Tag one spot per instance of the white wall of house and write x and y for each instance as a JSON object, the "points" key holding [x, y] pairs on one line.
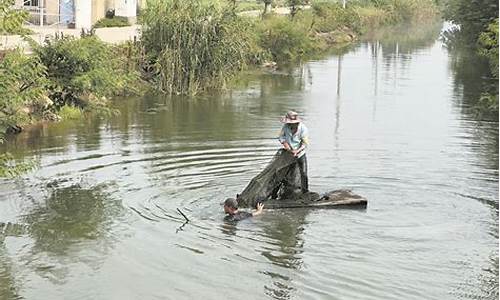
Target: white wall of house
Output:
{"points": [[126, 8], [83, 14]]}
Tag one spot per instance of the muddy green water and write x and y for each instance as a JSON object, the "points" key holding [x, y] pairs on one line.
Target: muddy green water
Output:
{"points": [[388, 118]]}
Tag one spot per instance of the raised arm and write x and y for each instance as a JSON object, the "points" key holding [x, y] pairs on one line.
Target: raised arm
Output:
{"points": [[258, 211]]}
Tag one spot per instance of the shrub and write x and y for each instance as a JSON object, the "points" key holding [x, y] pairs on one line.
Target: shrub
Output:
{"points": [[285, 39], [194, 46], [415, 11], [488, 46], [112, 22], [371, 17], [11, 20], [78, 68], [332, 16], [22, 88]]}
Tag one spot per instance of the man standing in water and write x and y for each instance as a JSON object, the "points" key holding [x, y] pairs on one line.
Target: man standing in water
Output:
{"points": [[294, 137]]}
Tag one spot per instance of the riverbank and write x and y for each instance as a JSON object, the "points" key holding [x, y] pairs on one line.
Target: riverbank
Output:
{"points": [[171, 56]]}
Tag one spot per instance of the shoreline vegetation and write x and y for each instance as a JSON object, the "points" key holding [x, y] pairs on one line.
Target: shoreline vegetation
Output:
{"points": [[186, 47], [474, 43]]}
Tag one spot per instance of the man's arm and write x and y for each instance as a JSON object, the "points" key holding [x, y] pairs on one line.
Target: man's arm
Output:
{"points": [[303, 143], [283, 141], [260, 207]]}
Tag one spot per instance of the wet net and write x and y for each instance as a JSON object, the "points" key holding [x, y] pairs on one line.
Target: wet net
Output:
{"points": [[280, 179]]}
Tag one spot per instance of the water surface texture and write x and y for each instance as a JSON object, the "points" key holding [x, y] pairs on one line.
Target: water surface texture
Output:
{"points": [[388, 119]]}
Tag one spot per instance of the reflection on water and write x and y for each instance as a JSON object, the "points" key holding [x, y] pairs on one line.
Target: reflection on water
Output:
{"points": [[285, 231], [69, 218], [388, 118]]}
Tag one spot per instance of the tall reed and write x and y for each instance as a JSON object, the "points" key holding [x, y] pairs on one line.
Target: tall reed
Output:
{"points": [[194, 45]]}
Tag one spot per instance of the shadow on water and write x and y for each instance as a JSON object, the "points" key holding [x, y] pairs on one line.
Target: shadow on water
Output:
{"points": [[70, 221]]}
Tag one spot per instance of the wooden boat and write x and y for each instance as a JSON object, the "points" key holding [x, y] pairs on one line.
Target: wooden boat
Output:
{"points": [[335, 199]]}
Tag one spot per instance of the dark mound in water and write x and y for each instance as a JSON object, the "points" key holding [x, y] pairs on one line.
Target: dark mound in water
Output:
{"points": [[333, 199], [280, 180]]}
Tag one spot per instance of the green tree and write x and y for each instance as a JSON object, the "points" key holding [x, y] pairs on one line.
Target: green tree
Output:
{"points": [[11, 20], [473, 16], [488, 46], [22, 88]]}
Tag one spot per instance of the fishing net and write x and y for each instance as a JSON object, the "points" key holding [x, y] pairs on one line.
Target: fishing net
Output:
{"points": [[280, 179]]}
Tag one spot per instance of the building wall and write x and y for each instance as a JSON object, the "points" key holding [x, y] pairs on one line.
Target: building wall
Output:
{"points": [[51, 11], [98, 10], [83, 14]]}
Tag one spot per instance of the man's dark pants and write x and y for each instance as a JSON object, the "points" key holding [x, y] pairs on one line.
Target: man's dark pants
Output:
{"points": [[304, 182]]}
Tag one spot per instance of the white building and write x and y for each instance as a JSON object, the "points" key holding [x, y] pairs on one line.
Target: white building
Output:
{"points": [[77, 13]]}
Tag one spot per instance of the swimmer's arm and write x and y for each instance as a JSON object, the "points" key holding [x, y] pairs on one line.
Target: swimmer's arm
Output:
{"points": [[260, 207]]}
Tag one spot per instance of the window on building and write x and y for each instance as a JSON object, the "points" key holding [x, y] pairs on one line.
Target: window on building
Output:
{"points": [[30, 2]]}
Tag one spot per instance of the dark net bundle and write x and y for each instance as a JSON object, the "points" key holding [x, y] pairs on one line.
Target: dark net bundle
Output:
{"points": [[280, 179]]}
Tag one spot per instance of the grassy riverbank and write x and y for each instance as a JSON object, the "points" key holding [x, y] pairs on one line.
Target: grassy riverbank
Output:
{"points": [[187, 47], [195, 46]]}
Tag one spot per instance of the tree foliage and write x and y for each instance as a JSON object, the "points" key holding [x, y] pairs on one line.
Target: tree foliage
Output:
{"points": [[473, 16], [488, 46], [22, 88], [11, 20]]}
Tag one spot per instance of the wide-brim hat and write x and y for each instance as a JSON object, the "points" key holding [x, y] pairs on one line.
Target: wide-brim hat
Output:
{"points": [[291, 117]]}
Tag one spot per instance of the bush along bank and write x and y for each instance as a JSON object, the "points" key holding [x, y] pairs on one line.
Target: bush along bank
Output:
{"points": [[64, 73], [198, 45], [187, 47]]}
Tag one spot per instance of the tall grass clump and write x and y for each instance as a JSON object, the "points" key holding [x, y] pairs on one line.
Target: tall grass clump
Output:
{"points": [[195, 46]]}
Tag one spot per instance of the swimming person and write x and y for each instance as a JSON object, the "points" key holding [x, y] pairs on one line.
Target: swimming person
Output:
{"points": [[233, 214]]}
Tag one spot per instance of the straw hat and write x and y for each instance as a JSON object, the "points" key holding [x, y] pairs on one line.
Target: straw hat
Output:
{"points": [[291, 117]]}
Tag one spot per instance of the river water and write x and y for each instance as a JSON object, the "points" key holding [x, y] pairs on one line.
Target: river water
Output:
{"points": [[388, 118]]}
